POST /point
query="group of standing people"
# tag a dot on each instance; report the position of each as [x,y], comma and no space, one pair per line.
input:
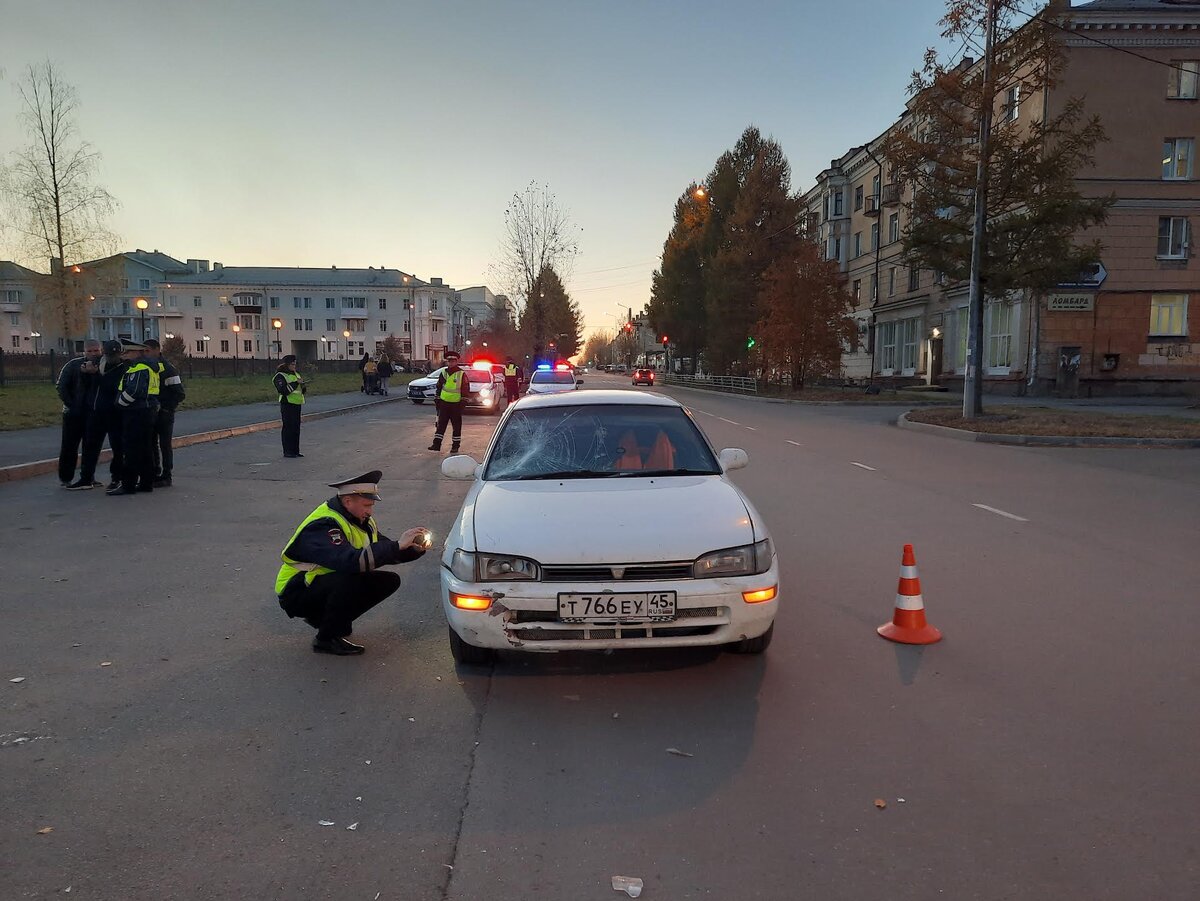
[128,393]
[375,373]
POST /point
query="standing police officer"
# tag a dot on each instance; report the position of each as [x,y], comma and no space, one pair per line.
[138,400]
[330,574]
[512,380]
[291,390]
[77,384]
[171,395]
[450,403]
[104,420]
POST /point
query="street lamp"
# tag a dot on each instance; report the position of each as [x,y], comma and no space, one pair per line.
[346,335]
[236,329]
[324,347]
[141,303]
[277,324]
[206,339]
[34,337]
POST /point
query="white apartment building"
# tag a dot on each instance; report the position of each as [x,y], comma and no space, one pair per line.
[20,326]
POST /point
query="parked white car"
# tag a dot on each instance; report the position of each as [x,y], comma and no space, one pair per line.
[677,555]
[552,381]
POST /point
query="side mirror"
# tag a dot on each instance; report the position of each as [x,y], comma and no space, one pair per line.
[730,458]
[461,467]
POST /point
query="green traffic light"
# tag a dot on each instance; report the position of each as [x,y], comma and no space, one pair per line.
[749,343]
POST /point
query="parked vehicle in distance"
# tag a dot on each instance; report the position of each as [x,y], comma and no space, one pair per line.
[552,381]
[424,388]
[624,581]
[643,377]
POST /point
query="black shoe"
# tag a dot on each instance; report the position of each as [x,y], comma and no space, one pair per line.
[454,448]
[113,484]
[120,490]
[162,483]
[292,456]
[338,646]
[435,447]
[82,485]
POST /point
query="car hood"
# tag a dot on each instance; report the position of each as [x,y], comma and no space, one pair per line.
[628,520]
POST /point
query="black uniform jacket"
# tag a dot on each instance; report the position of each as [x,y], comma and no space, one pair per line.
[322,542]
[170,387]
[76,388]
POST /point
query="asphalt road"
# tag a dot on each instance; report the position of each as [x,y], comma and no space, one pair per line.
[1045,749]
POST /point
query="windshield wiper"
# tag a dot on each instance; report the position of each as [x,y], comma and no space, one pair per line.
[568,474]
[668,472]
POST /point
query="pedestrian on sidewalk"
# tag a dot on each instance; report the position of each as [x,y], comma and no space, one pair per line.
[384,370]
[291,389]
[104,421]
[76,385]
[138,400]
[362,370]
[449,401]
[171,395]
[330,574]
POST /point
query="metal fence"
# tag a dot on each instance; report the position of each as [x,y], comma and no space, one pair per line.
[732,384]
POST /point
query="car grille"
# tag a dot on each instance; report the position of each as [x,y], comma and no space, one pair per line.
[634,572]
[703,621]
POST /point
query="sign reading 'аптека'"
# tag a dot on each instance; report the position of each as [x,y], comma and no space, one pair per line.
[1071,302]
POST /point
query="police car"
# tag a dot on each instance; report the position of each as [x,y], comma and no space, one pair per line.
[483,389]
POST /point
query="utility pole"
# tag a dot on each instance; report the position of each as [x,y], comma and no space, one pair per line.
[973,380]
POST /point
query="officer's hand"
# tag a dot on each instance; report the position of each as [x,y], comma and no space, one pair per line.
[413,538]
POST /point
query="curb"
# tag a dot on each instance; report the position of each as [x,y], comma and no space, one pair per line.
[40,467]
[1042,440]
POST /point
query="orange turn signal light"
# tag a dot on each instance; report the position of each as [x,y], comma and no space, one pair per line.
[763,594]
[469,601]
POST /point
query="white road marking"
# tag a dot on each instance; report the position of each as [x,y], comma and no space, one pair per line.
[1000,512]
[863,466]
[752,428]
[797,443]
[730,421]
[705,412]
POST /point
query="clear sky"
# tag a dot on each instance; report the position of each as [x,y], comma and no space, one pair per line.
[373,133]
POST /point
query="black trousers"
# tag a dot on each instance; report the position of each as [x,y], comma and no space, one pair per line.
[74,427]
[289,413]
[512,389]
[164,431]
[137,436]
[335,600]
[102,424]
[448,413]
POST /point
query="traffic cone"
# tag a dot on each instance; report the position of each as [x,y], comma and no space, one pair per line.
[908,624]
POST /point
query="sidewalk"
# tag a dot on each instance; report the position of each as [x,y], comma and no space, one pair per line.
[29,445]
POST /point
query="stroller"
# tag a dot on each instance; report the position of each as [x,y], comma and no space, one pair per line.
[371,379]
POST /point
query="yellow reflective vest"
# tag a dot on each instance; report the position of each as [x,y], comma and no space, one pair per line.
[452,387]
[295,396]
[358,538]
[153,386]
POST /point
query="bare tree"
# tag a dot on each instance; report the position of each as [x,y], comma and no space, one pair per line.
[57,209]
[537,235]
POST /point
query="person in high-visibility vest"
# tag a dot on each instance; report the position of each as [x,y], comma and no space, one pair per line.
[137,396]
[512,380]
[291,389]
[330,574]
[451,388]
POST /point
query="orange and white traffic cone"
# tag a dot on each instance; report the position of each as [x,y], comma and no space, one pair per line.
[908,624]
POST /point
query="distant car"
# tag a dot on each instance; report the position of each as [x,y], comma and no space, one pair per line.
[551,381]
[643,377]
[424,388]
[511,581]
[482,391]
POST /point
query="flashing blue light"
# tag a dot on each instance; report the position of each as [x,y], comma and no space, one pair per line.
[544,367]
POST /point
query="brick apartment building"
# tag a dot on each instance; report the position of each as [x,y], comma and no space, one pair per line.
[1132,326]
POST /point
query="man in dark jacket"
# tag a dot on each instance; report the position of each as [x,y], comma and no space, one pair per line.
[170,395]
[104,420]
[330,574]
[77,384]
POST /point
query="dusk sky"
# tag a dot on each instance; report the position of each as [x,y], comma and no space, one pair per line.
[370,133]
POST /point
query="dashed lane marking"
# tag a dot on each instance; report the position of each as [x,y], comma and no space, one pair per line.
[864,466]
[797,443]
[752,428]
[730,421]
[1000,512]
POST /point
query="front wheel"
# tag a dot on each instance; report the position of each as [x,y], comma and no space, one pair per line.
[469,654]
[752,645]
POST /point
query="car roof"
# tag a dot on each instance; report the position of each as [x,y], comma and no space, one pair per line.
[598,398]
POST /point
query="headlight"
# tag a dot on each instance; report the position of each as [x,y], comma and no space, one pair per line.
[469,567]
[485,391]
[748,560]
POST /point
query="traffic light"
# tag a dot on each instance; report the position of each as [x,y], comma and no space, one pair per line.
[750,342]
[664,340]
[629,326]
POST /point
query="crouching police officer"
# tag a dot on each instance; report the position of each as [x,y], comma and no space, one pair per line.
[330,574]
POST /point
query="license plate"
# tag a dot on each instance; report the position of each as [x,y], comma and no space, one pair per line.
[653,606]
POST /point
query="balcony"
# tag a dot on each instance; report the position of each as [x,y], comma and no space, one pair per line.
[871,208]
[891,195]
[11,307]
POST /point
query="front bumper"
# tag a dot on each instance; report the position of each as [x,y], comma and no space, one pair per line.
[524,615]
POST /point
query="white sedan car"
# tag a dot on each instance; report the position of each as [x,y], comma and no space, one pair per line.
[552,381]
[678,555]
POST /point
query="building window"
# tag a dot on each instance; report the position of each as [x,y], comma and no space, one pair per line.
[143,284]
[274,303]
[12,296]
[999,336]
[857,289]
[908,332]
[1182,79]
[308,325]
[433,308]
[222,324]
[14,318]
[295,303]
[383,303]
[835,248]
[893,228]
[246,345]
[407,303]
[1168,315]
[355,325]
[250,321]
[1012,103]
[875,236]
[224,347]
[173,301]
[892,281]
[331,303]
[1172,238]
[406,325]
[124,284]
[875,189]
[197,302]
[837,203]
[383,325]
[16,341]
[433,327]
[874,287]
[914,279]
[198,323]
[858,197]
[330,325]
[199,347]
[886,347]
[1177,157]
[354,303]
[298,323]
[857,245]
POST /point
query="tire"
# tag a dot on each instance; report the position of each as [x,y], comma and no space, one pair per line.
[415,401]
[752,645]
[469,654]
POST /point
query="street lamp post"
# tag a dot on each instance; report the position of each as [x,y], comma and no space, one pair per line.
[324,347]
[277,324]
[236,329]
[141,303]
[346,335]
[206,339]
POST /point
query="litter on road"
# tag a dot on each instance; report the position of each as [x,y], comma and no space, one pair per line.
[18,679]
[325,822]
[630,885]
[679,753]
